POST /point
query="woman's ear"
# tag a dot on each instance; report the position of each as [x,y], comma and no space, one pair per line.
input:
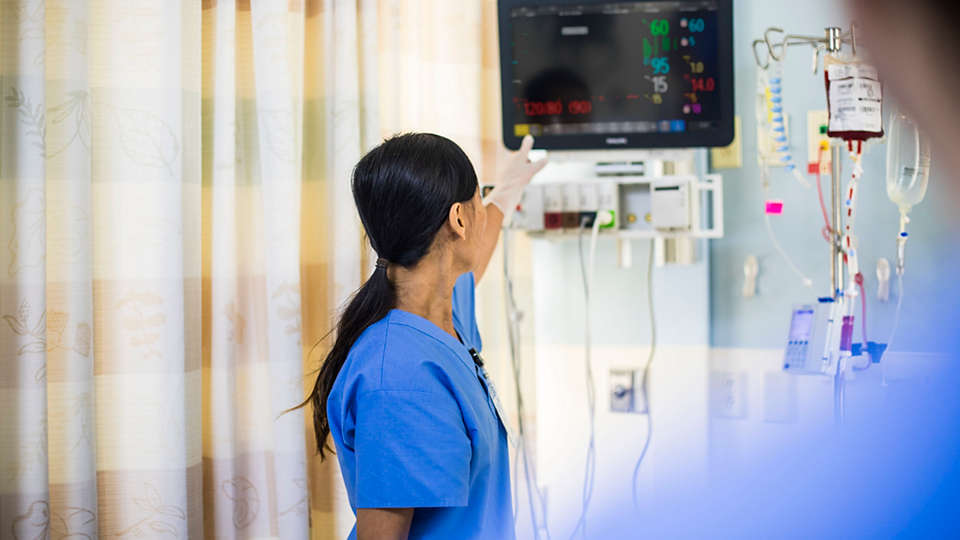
[457,220]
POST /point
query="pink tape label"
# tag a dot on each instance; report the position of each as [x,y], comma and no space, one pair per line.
[775,207]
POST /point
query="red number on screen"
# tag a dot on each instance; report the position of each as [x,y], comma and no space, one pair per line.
[579,107]
[700,84]
[543,108]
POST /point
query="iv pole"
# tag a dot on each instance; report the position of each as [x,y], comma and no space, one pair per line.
[836,254]
[837,269]
[833,40]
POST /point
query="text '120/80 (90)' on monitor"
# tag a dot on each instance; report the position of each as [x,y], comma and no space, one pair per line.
[589,75]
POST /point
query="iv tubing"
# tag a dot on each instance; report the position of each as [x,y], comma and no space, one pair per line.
[513,323]
[827,230]
[851,255]
[851,203]
[863,309]
[863,323]
[774,111]
[807,282]
[896,314]
[856,278]
[646,373]
[774,101]
[590,465]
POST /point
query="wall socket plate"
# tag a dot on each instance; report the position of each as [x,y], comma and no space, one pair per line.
[728,394]
[626,391]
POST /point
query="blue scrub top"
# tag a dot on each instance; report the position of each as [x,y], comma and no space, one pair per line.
[415,426]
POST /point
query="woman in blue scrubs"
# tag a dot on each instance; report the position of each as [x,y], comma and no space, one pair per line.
[403,393]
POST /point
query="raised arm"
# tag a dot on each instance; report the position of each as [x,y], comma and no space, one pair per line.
[517,172]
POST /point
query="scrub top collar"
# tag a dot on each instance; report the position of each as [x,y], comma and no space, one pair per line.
[399,316]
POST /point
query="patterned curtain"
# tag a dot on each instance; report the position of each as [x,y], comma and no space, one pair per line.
[432,67]
[341,87]
[172,196]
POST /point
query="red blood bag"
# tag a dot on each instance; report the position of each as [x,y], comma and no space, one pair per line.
[854,100]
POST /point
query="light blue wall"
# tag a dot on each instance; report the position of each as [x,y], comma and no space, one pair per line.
[762,321]
[619,297]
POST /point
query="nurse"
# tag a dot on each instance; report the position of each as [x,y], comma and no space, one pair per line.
[403,392]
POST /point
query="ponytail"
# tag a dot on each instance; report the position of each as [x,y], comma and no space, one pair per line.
[403,189]
[368,305]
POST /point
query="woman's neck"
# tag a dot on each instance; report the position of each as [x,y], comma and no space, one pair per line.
[426,289]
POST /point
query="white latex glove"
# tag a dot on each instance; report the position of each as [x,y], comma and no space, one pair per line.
[516,173]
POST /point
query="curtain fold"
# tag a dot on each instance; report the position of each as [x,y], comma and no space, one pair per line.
[340,124]
[254,461]
[177,232]
[24,480]
[151,326]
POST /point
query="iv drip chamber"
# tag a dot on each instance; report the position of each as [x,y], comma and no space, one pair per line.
[908,162]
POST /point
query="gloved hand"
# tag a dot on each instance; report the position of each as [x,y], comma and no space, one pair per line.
[516,173]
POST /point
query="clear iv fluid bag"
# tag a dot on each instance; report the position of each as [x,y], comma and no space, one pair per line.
[908,162]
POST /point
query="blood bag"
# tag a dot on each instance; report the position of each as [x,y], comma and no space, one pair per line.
[908,162]
[854,100]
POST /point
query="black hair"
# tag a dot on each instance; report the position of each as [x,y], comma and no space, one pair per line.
[403,190]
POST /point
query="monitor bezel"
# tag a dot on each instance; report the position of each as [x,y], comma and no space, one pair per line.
[721,136]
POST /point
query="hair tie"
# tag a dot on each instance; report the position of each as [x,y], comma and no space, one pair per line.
[382,263]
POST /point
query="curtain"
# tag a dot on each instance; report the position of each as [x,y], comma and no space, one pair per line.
[433,66]
[341,86]
[175,233]
[440,61]
[254,459]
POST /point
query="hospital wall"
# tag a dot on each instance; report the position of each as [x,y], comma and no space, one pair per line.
[756,411]
[762,321]
[549,290]
[718,395]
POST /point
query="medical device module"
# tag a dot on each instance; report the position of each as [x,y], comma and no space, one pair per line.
[806,341]
[664,78]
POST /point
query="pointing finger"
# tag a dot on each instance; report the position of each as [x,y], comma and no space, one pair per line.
[526,145]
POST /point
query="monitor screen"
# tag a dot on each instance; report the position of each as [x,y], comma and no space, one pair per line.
[801,325]
[586,75]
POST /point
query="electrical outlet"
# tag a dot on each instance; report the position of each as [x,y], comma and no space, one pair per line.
[626,391]
[728,394]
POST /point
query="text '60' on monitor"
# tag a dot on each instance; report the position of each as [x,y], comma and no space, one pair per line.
[590,75]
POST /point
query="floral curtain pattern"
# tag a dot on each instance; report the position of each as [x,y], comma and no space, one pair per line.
[176,234]
[161,230]
[254,459]
[341,85]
